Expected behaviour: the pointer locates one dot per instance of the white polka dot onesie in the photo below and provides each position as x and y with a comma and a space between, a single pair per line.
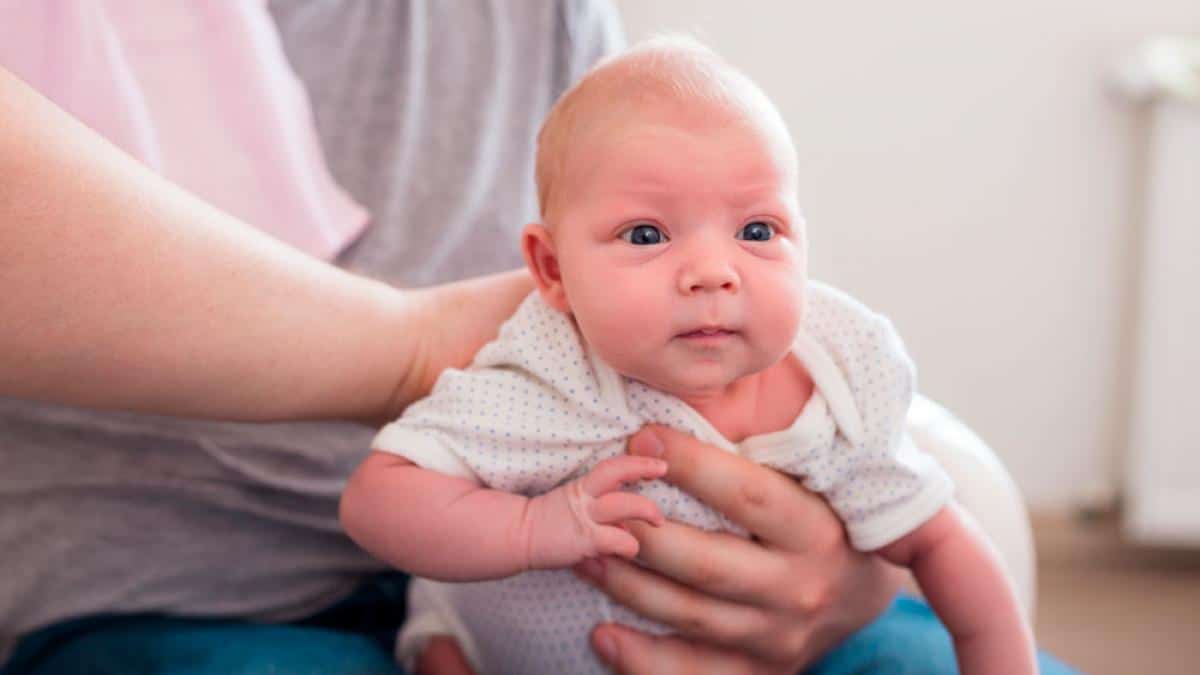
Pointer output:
537, 409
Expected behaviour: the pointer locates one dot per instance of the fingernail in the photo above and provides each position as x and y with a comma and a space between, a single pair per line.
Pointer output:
647, 443
607, 646
592, 569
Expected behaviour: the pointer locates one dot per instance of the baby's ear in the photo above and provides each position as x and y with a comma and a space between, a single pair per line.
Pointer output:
538, 247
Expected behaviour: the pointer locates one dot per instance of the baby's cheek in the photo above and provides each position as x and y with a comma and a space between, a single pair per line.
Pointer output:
784, 308
616, 326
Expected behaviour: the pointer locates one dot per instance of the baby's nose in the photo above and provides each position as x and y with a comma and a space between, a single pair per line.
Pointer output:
709, 275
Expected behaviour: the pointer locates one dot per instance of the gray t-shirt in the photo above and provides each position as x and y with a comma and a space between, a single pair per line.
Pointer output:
427, 111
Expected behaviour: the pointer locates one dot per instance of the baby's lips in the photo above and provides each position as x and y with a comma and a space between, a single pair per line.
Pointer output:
707, 331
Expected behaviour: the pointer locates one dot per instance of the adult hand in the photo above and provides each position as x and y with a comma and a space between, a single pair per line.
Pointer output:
772, 604
453, 322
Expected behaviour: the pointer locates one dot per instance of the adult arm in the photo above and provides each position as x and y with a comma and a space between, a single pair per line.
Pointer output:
769, 605
120, 290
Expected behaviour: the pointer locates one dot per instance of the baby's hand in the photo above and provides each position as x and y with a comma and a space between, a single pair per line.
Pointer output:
581, 519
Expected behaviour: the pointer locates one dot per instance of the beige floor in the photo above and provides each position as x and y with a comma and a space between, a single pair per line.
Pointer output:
1112, 609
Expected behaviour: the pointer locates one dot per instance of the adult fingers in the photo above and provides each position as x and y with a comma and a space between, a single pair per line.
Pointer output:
614, 471
686, 611
797, 590
714, 563
772, 506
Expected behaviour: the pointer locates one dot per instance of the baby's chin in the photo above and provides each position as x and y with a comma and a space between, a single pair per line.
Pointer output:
683, 376
695, 383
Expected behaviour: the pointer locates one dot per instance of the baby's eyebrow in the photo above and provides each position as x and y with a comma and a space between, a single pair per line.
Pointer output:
647, 184
765, 198
638, 185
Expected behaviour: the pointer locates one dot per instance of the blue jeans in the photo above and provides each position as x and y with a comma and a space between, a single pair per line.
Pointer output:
356, 635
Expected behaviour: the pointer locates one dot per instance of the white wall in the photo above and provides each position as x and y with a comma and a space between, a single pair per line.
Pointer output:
965, 169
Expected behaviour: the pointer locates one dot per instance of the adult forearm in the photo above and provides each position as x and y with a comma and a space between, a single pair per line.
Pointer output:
120, 290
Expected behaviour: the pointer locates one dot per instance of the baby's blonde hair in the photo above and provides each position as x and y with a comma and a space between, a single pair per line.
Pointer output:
671, 68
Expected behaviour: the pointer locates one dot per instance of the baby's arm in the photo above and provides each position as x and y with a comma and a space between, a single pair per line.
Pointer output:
960, 574
453, 529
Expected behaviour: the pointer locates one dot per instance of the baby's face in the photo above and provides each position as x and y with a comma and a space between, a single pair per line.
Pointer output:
681, 249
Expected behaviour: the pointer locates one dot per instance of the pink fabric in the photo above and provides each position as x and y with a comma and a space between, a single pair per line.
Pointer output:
200, 91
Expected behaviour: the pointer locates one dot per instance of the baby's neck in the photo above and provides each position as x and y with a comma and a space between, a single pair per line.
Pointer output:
766, 401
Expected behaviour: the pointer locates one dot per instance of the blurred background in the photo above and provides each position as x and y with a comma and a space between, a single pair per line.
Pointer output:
1017, 185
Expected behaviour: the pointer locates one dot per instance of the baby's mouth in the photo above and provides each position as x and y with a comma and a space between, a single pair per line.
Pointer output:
708, 333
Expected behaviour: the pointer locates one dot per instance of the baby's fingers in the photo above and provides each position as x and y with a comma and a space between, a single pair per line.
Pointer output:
612, 472
615, 541
615, 507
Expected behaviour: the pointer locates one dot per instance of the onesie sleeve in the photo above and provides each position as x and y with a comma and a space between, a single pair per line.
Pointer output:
528, 415
438, 432
872, 474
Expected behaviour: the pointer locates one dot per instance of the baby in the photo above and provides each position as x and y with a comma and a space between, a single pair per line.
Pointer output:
672, 289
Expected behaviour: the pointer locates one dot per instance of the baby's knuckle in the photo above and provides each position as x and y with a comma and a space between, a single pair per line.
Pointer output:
650, 511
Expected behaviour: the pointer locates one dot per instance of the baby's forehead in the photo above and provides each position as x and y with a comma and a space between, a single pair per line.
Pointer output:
638, 125
604, 113
654, 80
676, 81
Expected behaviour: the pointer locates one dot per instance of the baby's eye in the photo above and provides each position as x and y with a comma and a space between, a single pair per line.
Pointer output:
756, 231
644, 235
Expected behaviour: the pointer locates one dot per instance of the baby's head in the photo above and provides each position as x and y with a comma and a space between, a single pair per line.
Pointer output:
670, 225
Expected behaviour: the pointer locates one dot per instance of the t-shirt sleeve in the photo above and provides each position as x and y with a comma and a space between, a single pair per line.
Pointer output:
876, 479
592, 30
